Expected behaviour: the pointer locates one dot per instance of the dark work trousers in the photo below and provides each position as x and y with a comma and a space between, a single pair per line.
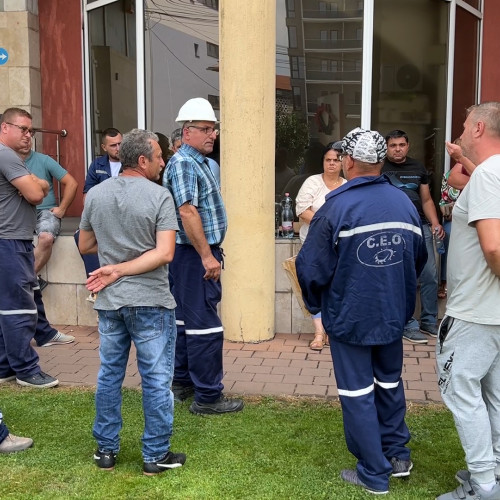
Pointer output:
4, 431
44, 332
90, 260
373, 406
198, 350
18, 312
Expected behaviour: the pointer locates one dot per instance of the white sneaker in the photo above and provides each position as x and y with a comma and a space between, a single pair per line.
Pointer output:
58, 339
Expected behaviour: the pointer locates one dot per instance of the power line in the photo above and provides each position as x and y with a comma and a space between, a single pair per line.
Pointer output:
187, 67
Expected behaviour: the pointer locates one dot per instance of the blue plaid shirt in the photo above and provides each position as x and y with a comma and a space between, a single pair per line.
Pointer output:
190, 180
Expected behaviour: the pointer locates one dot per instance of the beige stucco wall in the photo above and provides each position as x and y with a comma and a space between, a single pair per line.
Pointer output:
20, 76
247, 89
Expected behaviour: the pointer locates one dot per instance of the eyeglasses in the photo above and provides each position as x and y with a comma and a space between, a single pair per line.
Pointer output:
23, 129
206, 130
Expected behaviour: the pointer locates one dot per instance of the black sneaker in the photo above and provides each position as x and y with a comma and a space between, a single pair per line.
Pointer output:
182, 392
169, 461
42, 283
105, 460
401, 468
39, 381
222, 405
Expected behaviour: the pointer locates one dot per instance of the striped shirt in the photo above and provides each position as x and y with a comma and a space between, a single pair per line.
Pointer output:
190, 180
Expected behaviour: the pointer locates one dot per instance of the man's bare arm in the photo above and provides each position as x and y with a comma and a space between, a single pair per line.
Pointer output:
162, 254
70, 186
31, 188
457, 179
87, 242
191, 222
488, 231
430, 209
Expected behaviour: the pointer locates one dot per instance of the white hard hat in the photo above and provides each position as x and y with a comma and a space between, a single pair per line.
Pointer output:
196, 109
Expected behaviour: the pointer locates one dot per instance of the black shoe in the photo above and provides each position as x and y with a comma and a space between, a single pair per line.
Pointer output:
222, 405
401, 468
169, 461
182, 392
105, 460
39, 380
42, 283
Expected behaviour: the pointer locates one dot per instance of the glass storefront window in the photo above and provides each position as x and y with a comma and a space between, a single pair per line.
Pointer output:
182, 58
409, 77
319, 61
112, 69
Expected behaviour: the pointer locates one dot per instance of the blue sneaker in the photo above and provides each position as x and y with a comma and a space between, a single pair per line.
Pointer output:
415, 336
351, 476
429, 329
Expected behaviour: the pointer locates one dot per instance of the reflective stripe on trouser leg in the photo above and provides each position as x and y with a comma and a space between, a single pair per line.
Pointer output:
365, 408
18, 313
198, 355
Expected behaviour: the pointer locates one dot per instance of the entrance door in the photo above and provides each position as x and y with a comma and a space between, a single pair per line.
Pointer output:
111, 69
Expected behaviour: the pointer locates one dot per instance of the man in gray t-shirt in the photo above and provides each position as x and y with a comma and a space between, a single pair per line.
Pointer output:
20, 192
130, 222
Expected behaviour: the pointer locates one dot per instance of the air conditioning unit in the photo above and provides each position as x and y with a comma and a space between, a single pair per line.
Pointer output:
400, 78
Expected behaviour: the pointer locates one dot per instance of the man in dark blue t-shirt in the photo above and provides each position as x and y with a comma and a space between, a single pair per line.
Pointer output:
410, 176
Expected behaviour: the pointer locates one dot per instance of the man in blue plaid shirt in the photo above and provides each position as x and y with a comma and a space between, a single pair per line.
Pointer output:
195, 270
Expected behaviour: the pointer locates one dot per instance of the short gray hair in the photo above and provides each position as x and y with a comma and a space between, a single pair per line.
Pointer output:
135, 144
489, 113
176, 135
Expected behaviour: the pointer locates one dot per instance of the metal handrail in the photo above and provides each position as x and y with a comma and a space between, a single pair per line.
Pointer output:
58, 133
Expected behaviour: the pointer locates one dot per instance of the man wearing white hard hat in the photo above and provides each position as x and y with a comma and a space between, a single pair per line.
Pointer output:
359, 267
196, 268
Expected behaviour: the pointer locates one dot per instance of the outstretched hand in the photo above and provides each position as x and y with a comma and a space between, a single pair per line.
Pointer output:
101, 278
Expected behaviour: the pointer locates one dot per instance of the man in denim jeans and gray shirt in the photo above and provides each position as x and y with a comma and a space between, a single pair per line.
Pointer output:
130, 221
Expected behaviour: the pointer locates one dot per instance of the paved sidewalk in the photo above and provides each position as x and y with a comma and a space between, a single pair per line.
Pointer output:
282, 366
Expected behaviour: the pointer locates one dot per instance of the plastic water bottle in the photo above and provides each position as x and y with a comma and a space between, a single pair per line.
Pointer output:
287, 217
439, 242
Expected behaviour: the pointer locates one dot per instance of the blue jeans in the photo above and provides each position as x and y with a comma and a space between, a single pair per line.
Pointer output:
152, 329
429, 283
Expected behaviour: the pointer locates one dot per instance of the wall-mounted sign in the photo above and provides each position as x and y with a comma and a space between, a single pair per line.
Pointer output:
4, 56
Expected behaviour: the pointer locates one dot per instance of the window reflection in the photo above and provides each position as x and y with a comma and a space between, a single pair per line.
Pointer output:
112, 69
409, 77
319, 50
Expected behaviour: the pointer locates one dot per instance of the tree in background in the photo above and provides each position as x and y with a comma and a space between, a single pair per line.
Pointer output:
293, 135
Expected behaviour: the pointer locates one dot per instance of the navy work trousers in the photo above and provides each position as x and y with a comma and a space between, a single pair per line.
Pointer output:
373, 406
200, 337
18, 311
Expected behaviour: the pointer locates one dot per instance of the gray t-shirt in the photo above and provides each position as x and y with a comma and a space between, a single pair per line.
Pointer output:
17, 215
473, 288
125, 213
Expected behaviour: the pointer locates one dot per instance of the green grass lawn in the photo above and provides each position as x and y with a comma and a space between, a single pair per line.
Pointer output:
274, 449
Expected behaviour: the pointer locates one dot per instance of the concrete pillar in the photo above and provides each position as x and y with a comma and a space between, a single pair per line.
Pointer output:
247, 97
20, 75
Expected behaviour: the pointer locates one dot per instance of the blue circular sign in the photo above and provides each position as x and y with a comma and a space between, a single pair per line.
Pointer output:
4, 56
